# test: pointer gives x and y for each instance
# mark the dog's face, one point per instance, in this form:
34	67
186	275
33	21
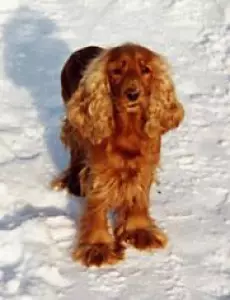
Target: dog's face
129	79
130	74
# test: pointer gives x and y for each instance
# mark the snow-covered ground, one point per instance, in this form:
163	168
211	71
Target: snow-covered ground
37	225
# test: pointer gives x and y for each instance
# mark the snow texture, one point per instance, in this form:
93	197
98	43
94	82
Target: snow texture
37	225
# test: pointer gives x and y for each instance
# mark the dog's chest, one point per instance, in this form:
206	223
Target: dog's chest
127	154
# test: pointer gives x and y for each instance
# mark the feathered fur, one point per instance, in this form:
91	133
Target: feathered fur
122	102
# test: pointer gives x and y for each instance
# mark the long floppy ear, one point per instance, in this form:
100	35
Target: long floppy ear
89	109
165	111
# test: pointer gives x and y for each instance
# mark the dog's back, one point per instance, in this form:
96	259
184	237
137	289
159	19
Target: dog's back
71	75
74	67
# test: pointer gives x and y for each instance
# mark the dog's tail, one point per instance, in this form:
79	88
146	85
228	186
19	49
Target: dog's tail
72	179
68	180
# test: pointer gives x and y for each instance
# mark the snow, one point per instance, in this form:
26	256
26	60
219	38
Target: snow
37	225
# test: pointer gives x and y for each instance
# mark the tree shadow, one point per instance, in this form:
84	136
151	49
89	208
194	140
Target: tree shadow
33	58
28	212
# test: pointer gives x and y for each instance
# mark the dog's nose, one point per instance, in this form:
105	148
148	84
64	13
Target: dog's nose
132	94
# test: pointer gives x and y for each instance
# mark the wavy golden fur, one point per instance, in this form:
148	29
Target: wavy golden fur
119	102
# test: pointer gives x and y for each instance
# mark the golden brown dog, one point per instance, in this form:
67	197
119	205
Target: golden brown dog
119	102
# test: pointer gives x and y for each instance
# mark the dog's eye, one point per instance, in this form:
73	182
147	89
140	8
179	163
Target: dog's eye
123	63
145	70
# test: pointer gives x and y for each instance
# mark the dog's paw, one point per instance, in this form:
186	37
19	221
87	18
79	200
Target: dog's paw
97	254
146	238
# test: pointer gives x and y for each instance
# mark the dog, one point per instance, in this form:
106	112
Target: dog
119	102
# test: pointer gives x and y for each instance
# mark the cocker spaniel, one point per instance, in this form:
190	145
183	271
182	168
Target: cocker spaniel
119	102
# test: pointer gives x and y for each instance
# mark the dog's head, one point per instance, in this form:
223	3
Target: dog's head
130	75
128	79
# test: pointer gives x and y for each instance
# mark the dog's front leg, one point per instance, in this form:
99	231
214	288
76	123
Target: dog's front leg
96	244
135	227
